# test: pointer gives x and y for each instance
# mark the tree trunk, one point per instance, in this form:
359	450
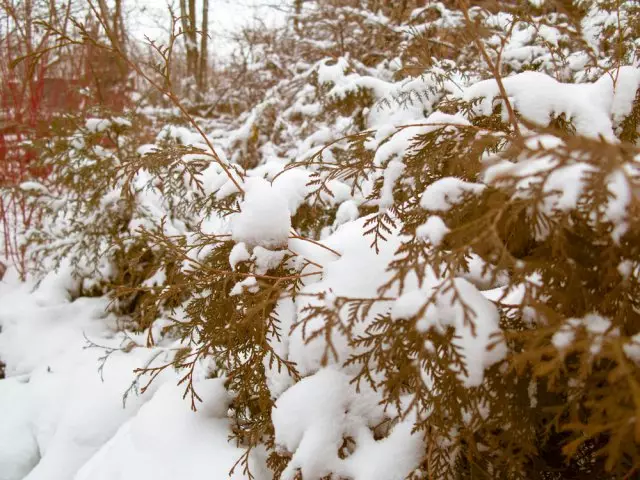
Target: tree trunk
113	23
118	25
204	52
297	5
188	18
110	70
193	38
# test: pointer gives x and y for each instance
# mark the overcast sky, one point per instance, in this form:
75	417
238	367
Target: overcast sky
151	17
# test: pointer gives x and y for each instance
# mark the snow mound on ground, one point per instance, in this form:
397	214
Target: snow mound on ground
166	440
18	446
73	412
61	418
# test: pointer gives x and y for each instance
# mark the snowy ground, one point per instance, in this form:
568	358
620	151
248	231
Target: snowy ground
62	419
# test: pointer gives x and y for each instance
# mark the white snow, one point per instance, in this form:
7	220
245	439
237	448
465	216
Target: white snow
434	230
239	253
446	192
563	338
632	348
332	73
616	210
312	418
391	175
266	260
477	329
18	446
357	273
166	440
264	217
249	284
589	106
97	124
62	419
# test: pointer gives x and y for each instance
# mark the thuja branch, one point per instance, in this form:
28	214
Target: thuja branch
493	66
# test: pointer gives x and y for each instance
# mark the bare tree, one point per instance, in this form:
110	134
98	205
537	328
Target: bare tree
204	54
188	18
197	58
113	23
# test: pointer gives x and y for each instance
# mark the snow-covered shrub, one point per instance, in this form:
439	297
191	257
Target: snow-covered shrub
406	267
105	184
